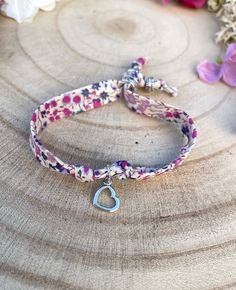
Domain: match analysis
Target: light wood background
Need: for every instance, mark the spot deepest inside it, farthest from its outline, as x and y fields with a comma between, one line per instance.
x=177, y=231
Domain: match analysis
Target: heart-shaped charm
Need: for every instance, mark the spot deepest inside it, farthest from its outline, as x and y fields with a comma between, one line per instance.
x=113, y=195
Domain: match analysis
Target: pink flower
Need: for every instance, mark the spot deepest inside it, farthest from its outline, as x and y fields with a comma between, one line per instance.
x=193, y=3
x=37, y=151
x=189, y=3
x=143, y=60
x=53, y=103
x=77, y=99
x=194, y=134
x=47, y=105
x=169, y=114
x=34, y=117
x=66, y=99
x=67, y=112
x=190, y=121
x=211, y=72
x=96, y=103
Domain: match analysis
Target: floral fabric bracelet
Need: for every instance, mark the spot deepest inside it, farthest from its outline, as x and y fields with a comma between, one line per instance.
x=100, y=94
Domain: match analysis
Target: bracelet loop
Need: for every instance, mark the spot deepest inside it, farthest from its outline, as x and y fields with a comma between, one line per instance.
x=102, y=93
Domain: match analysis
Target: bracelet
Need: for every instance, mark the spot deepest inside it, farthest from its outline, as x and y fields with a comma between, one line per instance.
x=97, y=95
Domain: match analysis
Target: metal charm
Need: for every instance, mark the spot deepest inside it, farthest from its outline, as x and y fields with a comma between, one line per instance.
x=107, y=184
x=113, y=195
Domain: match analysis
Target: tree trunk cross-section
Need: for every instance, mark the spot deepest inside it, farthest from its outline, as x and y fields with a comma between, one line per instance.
x=176, y=231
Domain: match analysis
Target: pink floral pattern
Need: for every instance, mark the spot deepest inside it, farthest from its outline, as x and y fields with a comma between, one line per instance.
x=95, y=96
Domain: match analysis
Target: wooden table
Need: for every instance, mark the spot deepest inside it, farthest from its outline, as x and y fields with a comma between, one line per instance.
x=176, y=231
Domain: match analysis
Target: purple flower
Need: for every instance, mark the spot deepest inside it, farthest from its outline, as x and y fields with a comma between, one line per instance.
x=210, y=72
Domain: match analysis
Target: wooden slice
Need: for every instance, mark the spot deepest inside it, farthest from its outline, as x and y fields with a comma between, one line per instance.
x=176, y=231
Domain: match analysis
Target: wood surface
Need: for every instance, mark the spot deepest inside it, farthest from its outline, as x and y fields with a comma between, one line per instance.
x=177, y=231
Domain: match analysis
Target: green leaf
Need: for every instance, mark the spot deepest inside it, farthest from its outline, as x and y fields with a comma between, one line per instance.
x=219, y=60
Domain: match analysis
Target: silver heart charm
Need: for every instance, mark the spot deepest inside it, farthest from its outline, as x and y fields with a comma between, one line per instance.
x=113, y=195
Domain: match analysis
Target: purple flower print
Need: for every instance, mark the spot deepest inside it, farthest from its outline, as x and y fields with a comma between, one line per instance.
x=130, y=98
x=143, y=105
x=85, y=92
x=86, y=169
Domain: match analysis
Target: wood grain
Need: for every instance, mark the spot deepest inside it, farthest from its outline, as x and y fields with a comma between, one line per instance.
x=177, y=231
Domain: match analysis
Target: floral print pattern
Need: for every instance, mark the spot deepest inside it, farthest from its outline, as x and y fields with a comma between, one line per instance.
x=95, y=96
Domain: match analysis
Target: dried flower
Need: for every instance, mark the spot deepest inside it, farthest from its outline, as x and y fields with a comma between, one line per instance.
x=215, y=5
x=227, y=15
